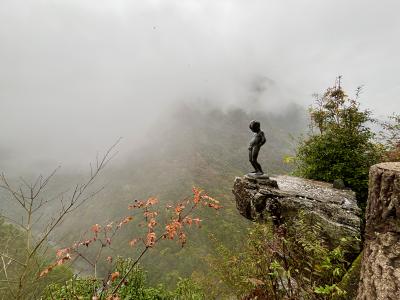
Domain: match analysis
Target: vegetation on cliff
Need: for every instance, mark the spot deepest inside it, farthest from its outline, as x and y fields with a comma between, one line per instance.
x=343, y=147
x=288, y=262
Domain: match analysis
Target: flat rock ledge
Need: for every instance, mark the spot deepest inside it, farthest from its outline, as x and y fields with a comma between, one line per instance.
x=283, y=197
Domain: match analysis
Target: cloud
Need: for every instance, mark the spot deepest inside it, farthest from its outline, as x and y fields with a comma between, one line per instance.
x=77, y=74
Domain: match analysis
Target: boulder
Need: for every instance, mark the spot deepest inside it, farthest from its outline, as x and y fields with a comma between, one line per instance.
x=283, y=197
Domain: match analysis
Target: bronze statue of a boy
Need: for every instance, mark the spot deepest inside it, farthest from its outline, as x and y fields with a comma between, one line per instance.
x=255, y=144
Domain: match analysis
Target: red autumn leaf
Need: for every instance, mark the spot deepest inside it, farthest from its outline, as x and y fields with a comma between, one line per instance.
x=179, y=208
x=215, y=206
x=114, y=275
x=109, y=226
x=152, y=223
x=210, y=198
x=96, y=228
x=45, y=271
x=133, y=242
x=182, y=238
x=86, y=243
x=196, y=195
x=125, y=221
x=138, y=204
x=61, y=252
x=151, y=201
x=188, y=221
x=197, y=221
x=150, y=239
x=172, y=228
x=150, y=214
x=63, y=259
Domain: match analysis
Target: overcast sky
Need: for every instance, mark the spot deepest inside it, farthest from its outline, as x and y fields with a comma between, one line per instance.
x=77, y=74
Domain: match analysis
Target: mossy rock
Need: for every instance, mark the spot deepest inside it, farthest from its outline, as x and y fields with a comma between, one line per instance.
x=350, y=280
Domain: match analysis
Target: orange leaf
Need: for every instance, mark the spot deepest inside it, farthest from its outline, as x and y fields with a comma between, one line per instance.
x=133, y=242
x=114, y=276
x=63, y=259
x=151, y=239
x=45, y=271
x=109, y=226
x=125, y=221
x=152, y=223
x=215, y=206
x=151, y=201
x=138, y=204
x=179, y=208
x=96, y=228
x=196, y=195
x=188, y=220
x=210, y=198
x=197, y=221
x=86, y=243
x=182, y=238
x=61, y=252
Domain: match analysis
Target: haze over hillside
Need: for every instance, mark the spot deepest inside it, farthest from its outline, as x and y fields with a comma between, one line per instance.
x=199, y=147
x=76, y=75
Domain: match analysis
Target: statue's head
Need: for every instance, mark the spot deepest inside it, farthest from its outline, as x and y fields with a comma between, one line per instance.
x=254, y=126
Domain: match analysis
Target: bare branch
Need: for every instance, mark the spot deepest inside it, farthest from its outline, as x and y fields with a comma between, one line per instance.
x=11, y=258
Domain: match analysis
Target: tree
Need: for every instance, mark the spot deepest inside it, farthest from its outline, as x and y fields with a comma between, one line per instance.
x=20, y=267
x=343, y=147
x=119, y=283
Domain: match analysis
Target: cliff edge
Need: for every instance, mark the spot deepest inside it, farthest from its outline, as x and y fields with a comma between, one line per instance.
x=283, y=197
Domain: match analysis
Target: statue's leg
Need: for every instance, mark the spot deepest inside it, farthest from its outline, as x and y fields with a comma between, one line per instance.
x=252, y=160
x=256, y=165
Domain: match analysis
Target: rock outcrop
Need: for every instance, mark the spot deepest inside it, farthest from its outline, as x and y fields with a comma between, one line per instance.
x=283, y=197
x=380, y=268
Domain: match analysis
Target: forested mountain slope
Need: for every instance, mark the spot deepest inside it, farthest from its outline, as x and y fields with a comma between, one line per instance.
x=192, y=147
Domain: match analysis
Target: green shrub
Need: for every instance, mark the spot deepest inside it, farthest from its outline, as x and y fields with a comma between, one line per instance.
x=391, y=138
x=342, y=147
x=278, y=264
x=134, y=287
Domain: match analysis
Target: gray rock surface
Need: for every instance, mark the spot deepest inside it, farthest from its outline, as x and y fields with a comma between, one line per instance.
x=283, y=197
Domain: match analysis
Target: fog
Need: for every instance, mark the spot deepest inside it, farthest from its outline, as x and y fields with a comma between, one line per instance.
x=75, y=75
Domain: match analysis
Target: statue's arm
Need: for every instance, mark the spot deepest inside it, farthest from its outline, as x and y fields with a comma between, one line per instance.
x=263, y=139
x=256, y=140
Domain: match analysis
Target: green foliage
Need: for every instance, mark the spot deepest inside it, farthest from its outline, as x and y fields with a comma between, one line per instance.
x=391, y=138
x=343, y=147
x=350, y=280
x=277, y=264
x=12, y=256
x=134, y=287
